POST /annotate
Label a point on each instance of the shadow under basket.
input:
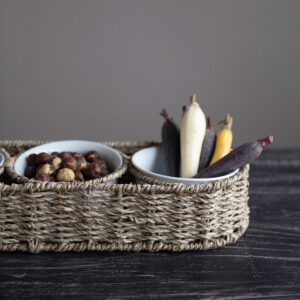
(127, 217)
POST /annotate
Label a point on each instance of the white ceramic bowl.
(150, 162)
(1, 159)
(111, 156)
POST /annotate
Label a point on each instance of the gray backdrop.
(104, 69)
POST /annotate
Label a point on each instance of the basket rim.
(6, 155)
(6, 158)
(32, 143)
(171, 188)
(126, 188)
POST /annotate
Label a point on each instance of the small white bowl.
(1, 159)
(150, 162)
(111, 156)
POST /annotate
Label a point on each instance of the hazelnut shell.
(31, 160)
(69, 162)
(79, 175)
(30, 171)
(43, 158)
(65, 174)
(45, 169)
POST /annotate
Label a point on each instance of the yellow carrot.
(224, 140)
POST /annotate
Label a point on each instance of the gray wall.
(103, 69)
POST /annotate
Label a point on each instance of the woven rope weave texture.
(128, 217)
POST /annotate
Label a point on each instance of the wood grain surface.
(263, 264)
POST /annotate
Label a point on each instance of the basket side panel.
(125, 220)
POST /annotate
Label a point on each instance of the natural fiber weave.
(42, 217)
(6, 157)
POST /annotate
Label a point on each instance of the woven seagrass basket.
(39, 217)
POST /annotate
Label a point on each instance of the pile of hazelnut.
(65, 166)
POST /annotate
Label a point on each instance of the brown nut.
(78, 175)
(69, 162)
(45, 169)
(92, 155)
(31, 160)
(101, 163)
(81, 163)
(64, 155)
(65, 174)
(56, 162)
(43, 158)
(44, 177)
(30, 171)
(92, 171)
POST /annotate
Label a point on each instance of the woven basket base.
(36, 247)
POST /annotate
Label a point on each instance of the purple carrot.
(171, 145)
(208, 145)
(237, 158)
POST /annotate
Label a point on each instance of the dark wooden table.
(263, 264)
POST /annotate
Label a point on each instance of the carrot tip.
(193, 98)
(228, 121)
(266, 141)
(166, 115)
(208, 123)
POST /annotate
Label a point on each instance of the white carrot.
(192, 132)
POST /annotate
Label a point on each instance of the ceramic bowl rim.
(171, 179)
(35, 149)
